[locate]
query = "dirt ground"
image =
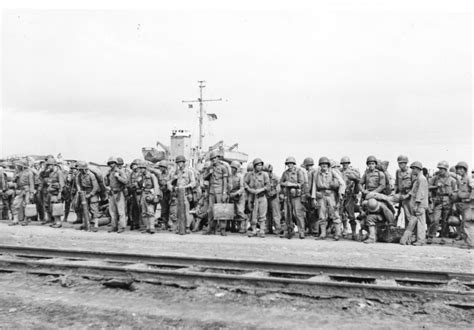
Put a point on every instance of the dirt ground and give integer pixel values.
(28, 301)
(44, 303)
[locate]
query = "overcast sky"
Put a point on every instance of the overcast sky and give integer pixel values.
(91, 84)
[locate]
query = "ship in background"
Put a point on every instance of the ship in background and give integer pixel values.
(180, 142)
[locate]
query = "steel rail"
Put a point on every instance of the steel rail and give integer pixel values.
(282, 269)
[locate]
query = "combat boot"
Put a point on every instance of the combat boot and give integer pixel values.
(371, 238)
(243, 227)
(323, 232)
(253, 233)
(405, 240)
(355, 236)
(337, 229)
(197, 223)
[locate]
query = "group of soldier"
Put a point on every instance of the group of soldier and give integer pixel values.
(320, 200)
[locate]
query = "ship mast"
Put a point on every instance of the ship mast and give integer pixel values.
(201, 101)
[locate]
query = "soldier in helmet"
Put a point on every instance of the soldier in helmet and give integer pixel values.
(328, 189)
(403, 184)
(257, 184)
(351, 177)
(465, 197)
(183, 178)
(377, 212)
(237, 196)
(293, 182)
(373, 179)
(133, 201)
(54, 186)
(164, 175)
(311, 210)
(419, 204)
(443, 188)
(25, 190)
(273, 201)
(148, 190)
(3, 188)
(88, 186)
(116, 181)
(218, 177)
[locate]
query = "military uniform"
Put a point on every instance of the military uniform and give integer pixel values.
(274, 207)
(182, 179)
(327, 187)
(444, 189)
(373, 181)
(466, 199)
(218, 177)
(351, 178)
(117, 180)
(3, 192)
(134, 206)
(293, 208)
(150, 193)
(55, 185)
(258, 181)
(403, 184)
(418, 196)
(311, 208)
(87, 183)
(25, 189)
(237, 196)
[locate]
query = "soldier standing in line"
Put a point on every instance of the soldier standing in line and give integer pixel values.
(403, 185)
(218, 177)
(164, 175)
(150, 195)
(25, 190)
(311, 210)
(3, 188)
(443, 188)
(133, 201)
(116, 181)
(236, 195)
(465, 196)
(419, 204)
(293, 182)
(328, 188)
(351, 178)
(257, 184)
(88, 186)
(183, 178)
(273, 201)
(55, 185)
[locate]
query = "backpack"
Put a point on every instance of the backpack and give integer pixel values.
(100, 180)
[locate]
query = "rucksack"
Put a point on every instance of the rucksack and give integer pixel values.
(100, 180)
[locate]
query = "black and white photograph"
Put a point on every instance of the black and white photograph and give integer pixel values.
(236, 165)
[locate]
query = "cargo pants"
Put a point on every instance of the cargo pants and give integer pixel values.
(418, 221)
(468, 222)
(298, 213)
(259, 212)
(117, 209)
(273, 214)
(18, 206)
(441, 212)
(215, 225)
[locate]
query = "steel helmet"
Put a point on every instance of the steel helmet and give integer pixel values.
(135, 162)
(51, 161)
(214, 153)
(308, 161)
(324, 160)
(235, 165)
(289, 160)
(22, 163)
(371, 159)
(443, 164)
(372, 205)
(257, 161)
(332, 163)
(249, 167)
(180, 159)
(402, 159)
(416, 164)
(120, 161)
(163, 163)
(385, 163)
(112, 160)
(141, 164)
(345, 160)
(462, 164)
(81, 165)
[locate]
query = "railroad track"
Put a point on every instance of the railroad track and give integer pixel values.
(246, 275)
